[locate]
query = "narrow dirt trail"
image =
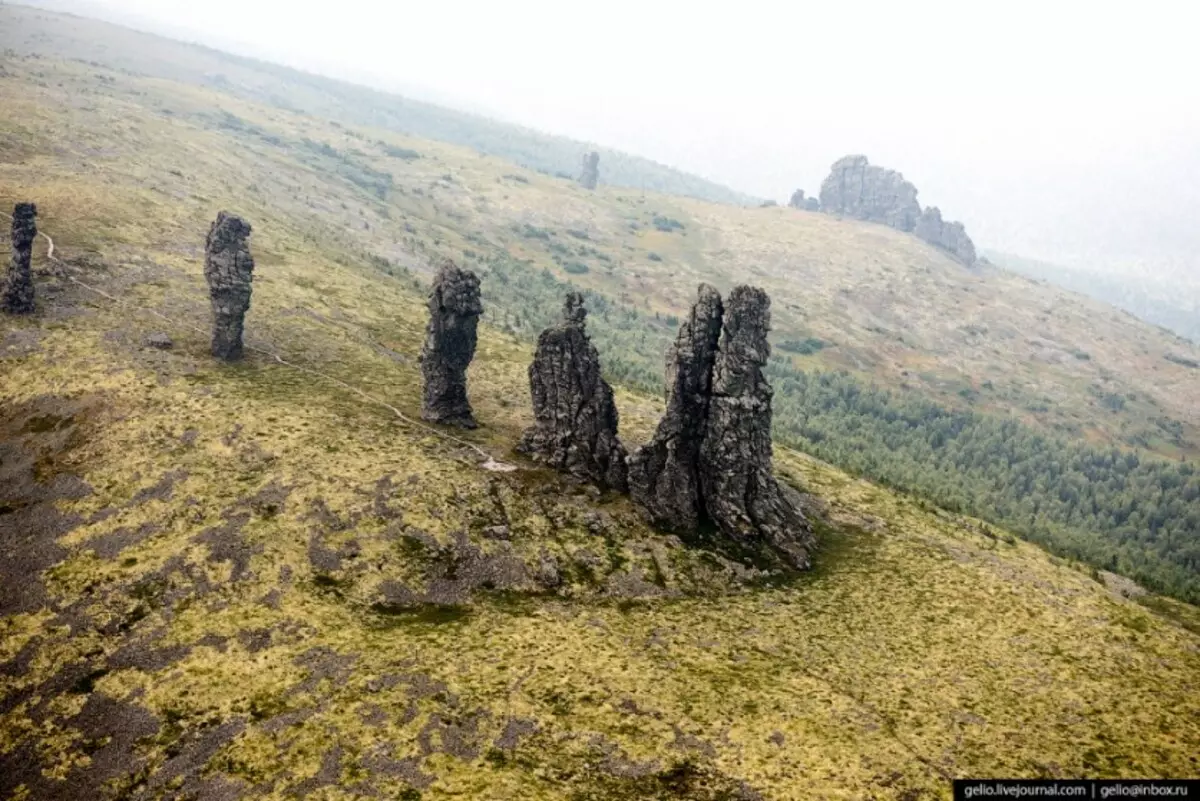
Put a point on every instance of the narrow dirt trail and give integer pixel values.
(488, 462)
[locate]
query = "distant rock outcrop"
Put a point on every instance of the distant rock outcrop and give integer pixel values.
(855, 188)
(450, 340)
(16, 296)
(710, 459)
(590, 176)
(229, 270)
(951, 236)
(664, 475)
(741, 495)
(576, 418)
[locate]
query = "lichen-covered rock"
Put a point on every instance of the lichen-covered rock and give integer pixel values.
(950, 236)
(590, 176)
(664, 475)
(450, 340)
(16, 295)
(857, 189)
(741, 495)
(229, 270)
(576, 419)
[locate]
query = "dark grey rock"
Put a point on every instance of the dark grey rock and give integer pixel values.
(160, 341)
(229, 270)
(576, 419)
(664, 475)
(16, 295)
(741, 495)
(590, 176)
(950, 236)
(450, 340)
(857, 189)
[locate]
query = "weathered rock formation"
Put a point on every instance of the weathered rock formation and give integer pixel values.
(229, 270)
(710, 459)
(590, 176)
(951, 236)
(857, 189)
(454, 309)
(16, 294)
(576, 418)
(741, 495)
(664, 475)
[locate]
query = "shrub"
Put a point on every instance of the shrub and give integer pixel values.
(400, 152)
(666, 224)
(575, 267)
(805, 347)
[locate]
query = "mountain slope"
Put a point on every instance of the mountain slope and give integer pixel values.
(982, 391)
(250, 581)
(143, 54)
(219, 590)
(1169, 302)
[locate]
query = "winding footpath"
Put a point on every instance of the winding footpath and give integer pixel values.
(488, 462)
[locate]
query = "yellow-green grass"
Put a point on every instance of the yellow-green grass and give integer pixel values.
(924, 646)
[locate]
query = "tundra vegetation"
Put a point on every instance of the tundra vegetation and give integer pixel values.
(246, 580)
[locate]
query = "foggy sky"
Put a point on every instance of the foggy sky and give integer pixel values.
(1057, 130)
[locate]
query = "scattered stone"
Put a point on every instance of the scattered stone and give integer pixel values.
(497, 533)
(590, 176)
(454, 309)
(950, 236)
(741, 495)
(160, 341)
(576, 419)
(229, 270)
(547, 573)
(664, 475)
(16, 295)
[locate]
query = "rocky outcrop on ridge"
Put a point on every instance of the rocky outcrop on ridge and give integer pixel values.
(229, 270)
(450, 340)
(950, 236)
(576, 419)
(855, 188)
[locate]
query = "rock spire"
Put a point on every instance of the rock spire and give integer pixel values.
(229, 270)
(450, 340)
(576, 419)
(16, 293)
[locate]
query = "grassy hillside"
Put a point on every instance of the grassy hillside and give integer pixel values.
(139, 54)
(996, 395)
(1171, 303)
(251, 582)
